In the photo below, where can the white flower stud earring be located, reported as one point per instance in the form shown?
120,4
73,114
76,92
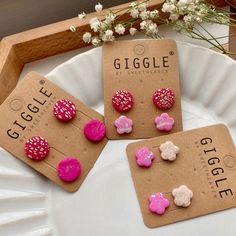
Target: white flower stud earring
169,151
182,196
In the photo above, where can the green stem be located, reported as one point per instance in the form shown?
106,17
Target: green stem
205,39
212,37
129,7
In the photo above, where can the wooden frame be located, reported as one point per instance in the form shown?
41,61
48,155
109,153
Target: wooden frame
38,43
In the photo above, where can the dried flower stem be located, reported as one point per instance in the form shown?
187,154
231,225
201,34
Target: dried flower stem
185,16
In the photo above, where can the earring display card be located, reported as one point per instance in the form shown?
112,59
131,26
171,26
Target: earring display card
140,67
28,112
206,164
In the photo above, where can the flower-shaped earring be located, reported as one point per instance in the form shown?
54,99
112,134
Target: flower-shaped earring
122,100
158,203
123,125
169,151
144,157
164,122
182,196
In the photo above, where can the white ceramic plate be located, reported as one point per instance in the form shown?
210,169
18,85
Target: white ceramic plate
106,203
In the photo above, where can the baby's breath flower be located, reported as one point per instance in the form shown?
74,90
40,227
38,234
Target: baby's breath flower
82,16
95,41
108,36
133,4
166,7
143,24
98,7
87,37
174,17
132,31
144,15
134,13
149,27
110,17
94,24
153,14
152,29
142,6
72,28
188,19
184,2
120,29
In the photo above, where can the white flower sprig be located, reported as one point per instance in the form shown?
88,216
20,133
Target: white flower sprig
106,29
185,16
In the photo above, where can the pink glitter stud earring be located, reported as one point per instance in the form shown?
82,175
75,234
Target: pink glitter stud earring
123,125
95,130
69,169
164,98
144,157
158,203
36,148
64,110
164,122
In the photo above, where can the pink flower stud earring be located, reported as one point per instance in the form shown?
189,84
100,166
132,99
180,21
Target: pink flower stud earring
164,122
123,125
164,98
158,203
69,169
144,157
64,110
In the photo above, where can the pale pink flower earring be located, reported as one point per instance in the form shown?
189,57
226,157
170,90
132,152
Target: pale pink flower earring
164,122
123,125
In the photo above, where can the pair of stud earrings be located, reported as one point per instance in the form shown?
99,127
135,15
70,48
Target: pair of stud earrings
65,110
144,157
163,98
182,197
157,202
37,148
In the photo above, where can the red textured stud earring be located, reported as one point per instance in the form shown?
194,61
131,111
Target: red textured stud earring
164,98
122,100
64,110
36,148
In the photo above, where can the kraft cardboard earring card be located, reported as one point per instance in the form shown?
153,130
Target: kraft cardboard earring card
141,89
51,131
184,175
